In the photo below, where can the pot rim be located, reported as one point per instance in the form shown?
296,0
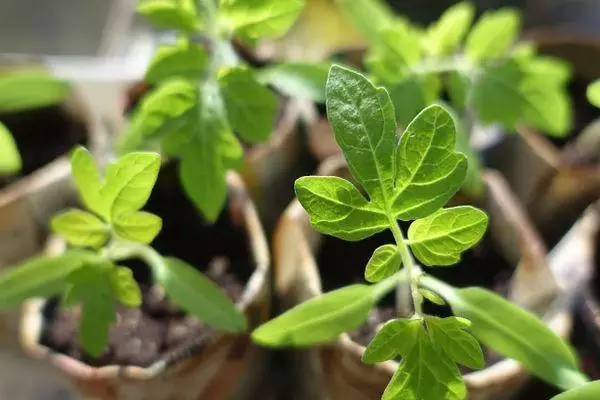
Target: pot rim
243,212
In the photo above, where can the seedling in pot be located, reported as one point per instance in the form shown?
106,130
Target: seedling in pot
409,178
23,90
204,92
110,230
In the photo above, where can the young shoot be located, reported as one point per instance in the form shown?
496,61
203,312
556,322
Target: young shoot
409,178
110,230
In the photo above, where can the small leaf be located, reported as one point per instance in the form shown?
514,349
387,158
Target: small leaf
547,107
10,159
231,150
412,94
125,288
198,295
318,320
260,18
440,238
493,34
23,90
384,262
337,208
171,14
369,17
432,297
590,391
297,79
184,60
251,108
80,228
426,373
87,179
446,34
428,169
396,338
128,188
473,185
451,335
513,332
139,226
593,93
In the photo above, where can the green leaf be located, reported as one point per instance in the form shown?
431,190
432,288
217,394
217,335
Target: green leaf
395,338
184,60
458,89
451,335
199,296
547,107
39,277
593,93
362,119
473,185
553,71
590,391
171,14
80,228
260,18
87,179
446,34
251,108
513,332
23,90
428,169
440,238
131,183
426,372
412,94
125,288
297,79
231,150
493,34
369,17
384,262
139,226
336,208
432,296
318,320
10,159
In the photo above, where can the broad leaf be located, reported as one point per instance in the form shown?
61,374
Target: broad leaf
440,238
590,391
553,71
319,320
251,108
362,119
593,93
426,372
138,226
23,90
451,334
547,107
80,228
337,208
384,262
513,332
171,14
297,79
445,35
428,169
10,159
87,179
125,288
198,295
129,186
395,338
493,34
260,18
184,60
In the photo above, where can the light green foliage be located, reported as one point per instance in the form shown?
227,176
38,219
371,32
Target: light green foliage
171,14
368,16
297,79
125,288
446,34
87,179
493,34
80,228
413,93
138,226
260,18
183,60
408,177
441,237
10,159
593,93
590,391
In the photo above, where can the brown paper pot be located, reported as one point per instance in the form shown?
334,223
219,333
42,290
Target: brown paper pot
224,367
534,284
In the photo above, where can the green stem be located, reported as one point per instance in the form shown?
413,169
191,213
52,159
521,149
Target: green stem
124,250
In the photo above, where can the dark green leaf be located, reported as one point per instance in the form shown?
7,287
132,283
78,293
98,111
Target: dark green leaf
80,228
446,34
10,159
297,79
493,34
590,391
139,226
87,179
384,262
451,335
198,295
184,60
23,90
171,14
395,338
125,288
260,18
319,320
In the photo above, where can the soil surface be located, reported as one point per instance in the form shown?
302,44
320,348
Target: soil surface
42,135
159,329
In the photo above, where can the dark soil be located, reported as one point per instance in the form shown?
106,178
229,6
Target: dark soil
159,329
42,135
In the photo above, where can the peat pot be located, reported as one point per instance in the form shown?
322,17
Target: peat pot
189,361
511,259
